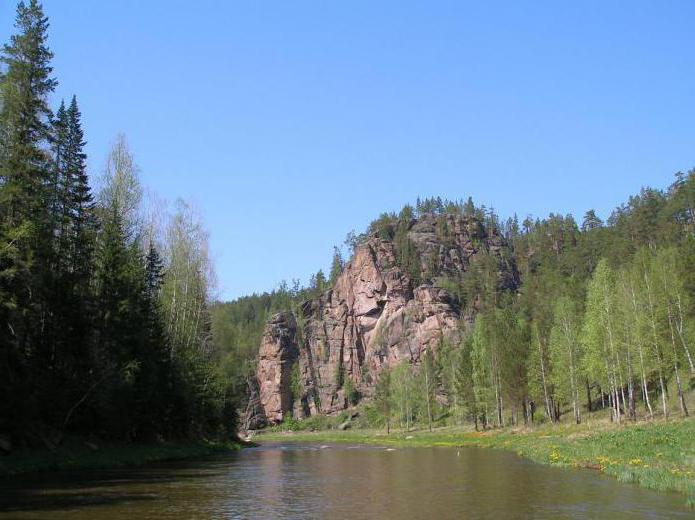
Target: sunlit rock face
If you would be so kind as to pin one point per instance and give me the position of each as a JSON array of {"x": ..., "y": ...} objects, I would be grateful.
[
  {"x": 373, "y": 317},
  {"x": 277, "y": 354}
]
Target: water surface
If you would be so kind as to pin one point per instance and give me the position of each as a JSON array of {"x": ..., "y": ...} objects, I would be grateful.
[{"x": 312, "y": 481}]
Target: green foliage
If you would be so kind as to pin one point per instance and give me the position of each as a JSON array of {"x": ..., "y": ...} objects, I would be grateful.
[
  {"x": 603, "y": 316},
  {"x": 101, "y": 335},
  {"x": 311, "y": 423},
  {"x": 566, "y": 353},
  {"x": 337, "y": 265},
  {"x": 351, "y": 393},
  {"x": 383, "y": 397},
  {"x": 295, "y": 383},
  {"x": 407, "y": 255}
]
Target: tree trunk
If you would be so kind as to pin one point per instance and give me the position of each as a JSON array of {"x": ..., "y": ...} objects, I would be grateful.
[
  {"x": 681, "y": 397},
  {"x": 545, "y": 386},
  {"x": 679, "y": 327},
  {"x": 429, "y": 407},
  {"x": 663, "y": 392}
]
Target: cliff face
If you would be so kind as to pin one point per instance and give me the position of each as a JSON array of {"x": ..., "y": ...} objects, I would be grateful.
[
  {"x": 372, "y": 318},
  {"x": 277, "y": 356}
]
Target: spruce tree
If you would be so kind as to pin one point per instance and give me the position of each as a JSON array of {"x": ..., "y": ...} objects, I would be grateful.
[
  {"x": 76, "y": 236},
  {"x": 120, "y": 329},
  {"x": 60, "y": 144},
  {"x": 25, "y": 220},
  {"x": 79, "y": 201},
  {"x": 156, "y": 385}
]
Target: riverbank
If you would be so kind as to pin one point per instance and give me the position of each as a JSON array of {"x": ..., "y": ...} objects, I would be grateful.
[
  {"x": 657, "y": 455},
  {"x": 78, "y": 454}
]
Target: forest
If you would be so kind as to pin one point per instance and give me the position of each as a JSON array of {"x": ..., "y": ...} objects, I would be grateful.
[
  {"x": 105, "y": 326},
  {"x": 109, "y": 327},
  {"x": 599, "y": 316},
  {"x": 602, "y": 318}
]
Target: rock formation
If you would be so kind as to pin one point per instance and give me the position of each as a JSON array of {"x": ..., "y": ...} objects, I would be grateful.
[
  {"x": 373, "y": 317},
  {"x": 277, "y": 355}
]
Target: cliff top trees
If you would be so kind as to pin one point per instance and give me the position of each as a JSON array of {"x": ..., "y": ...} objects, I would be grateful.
[{"x": 336, "y": 265}]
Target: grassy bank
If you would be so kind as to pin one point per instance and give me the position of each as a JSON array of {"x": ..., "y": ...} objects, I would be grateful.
[
  {"x": 76, "y": 454},
  {"x": 657, "y": 455}
]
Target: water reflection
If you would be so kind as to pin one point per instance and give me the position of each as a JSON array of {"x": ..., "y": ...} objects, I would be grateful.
[{"x": 295, "y": 481}]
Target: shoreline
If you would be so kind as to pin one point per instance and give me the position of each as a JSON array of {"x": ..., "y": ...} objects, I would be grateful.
[
  {"x": 657, "y": 455},
  {"x": 80, "y": 455}
]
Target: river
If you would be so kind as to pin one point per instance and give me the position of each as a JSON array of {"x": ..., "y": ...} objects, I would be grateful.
[{"x": 312, "y": 481}]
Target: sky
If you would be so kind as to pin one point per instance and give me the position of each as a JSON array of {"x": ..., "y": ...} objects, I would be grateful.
[{"x": 289, "y": 124}]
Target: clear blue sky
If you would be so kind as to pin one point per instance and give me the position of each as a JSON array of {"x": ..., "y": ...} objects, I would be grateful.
[{"x": 291, "y": 123}]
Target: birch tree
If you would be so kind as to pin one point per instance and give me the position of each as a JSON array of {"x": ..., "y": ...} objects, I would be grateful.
[
  {"x": 599, "y": 333},
  {"x": 566, "y": 353}
]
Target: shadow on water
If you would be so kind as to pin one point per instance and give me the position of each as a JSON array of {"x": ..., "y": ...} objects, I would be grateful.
[{"x": 74, "y": 489}]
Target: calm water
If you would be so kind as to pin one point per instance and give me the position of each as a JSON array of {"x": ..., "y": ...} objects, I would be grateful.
[{"x": 294, "y": 481}]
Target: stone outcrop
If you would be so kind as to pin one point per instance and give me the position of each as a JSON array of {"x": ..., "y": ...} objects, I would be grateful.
[
  {"x": 373, "y": 317},
  {"x": 278, "y": 354}
]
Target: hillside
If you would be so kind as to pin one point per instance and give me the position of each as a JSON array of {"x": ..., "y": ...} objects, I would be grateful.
[
  {"x": 382, "y": 311},
  {"x": 445, "y": 313}
]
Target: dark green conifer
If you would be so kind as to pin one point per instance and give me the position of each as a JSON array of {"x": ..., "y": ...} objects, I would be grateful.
[{"x": 26, "y": 244}]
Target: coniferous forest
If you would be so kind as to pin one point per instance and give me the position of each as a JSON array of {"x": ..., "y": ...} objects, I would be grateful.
[{"x": 105, "y": 327}]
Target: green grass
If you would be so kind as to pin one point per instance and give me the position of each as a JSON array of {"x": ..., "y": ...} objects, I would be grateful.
[
  {"x": 75, "y": 454},
  {"x": 657, "y": 455}
]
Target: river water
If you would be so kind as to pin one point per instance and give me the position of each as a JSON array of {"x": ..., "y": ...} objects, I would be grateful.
[{"x": 312, "y": 481}]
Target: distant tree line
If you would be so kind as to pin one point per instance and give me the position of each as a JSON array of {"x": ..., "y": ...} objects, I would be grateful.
[{"x": 105, "y": 326}]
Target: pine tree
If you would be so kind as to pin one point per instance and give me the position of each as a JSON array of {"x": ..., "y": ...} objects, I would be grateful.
[
  {"x": 336, "y": 265},
  {"x": 591, "y": 221}
]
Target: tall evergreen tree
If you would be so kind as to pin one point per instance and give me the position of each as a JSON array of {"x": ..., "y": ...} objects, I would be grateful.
[
  {"x": 336, "y": 265},
  {"x": 25, "y": 219},
  {"x": 120, "y": 325}
]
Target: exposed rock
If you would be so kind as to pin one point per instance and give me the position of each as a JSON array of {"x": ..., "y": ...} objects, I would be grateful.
[
  {"x": 344, "y": 426},
  {"x": 277, "y": 355},
  {"x": 373, "y": 317},
  {"x": 253, "y": 415}
]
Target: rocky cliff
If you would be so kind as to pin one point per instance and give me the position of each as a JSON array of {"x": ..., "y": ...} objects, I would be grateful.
[{"x": 374, "y": 316}]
